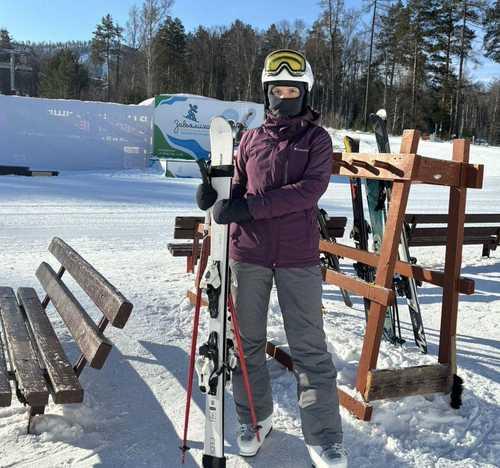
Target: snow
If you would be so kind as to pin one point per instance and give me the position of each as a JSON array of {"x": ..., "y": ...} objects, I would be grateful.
[{"x": 132, "y": 415}]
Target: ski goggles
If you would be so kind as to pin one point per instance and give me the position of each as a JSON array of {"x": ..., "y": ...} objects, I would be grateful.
[{"x": 293, "y": 61}]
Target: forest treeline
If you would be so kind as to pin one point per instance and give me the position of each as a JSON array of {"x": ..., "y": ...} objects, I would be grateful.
[{"x": 409, "y": 57}]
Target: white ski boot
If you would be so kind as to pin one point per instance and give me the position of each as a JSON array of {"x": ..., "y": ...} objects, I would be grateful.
[
  {"x": 333, "y": 455},
  {"x": 247, "y": 437}
]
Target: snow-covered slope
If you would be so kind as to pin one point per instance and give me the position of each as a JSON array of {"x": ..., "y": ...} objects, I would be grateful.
[{"x": 133, "y": 410}]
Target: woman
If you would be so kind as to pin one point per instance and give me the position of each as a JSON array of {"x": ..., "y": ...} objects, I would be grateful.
[{"x": 281, "y": 170}]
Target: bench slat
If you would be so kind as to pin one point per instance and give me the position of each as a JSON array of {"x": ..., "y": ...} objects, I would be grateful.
[
  {"x": 65, "y": 384},
  {"x": 337, "y": 233},
  {"x": 188, "y": 222},
  {"x": 180, "y": 250},
  {"x": 430, "y": 241},
  {"x": 336, "y": 222},
  {"x": 106, "y": 297},
  {"x": 29, "y": 377},
  {"x": 438, "y": 218},
  {"x": 471, "y": 232},
  {"x": 94, "y": 346},
  {"x": 5, "y": 390},
  {"x": 184, "y": 233}
]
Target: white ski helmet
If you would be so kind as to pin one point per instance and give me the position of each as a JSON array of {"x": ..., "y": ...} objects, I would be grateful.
[{"x": 287, "y": 65}]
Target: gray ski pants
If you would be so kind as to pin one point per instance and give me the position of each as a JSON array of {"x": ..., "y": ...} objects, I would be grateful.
[{"x": 299, "y": 296}]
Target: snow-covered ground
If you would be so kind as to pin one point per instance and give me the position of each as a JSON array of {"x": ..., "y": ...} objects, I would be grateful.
[{"x": 133, "y": 410}]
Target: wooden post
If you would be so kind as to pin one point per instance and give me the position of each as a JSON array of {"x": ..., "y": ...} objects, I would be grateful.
[
  {"x": 453, "y": 261},
  {"x": 386, "y": 266}
]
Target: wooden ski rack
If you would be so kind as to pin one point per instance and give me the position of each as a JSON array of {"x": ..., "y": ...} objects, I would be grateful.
[{"x": 402, "y": 170}]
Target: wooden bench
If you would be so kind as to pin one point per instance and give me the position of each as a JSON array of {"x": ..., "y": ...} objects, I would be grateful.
[
  {"x": 487, "y": 236},
  {"x": 186, "y": 227},
  {"x": 36, "y": 361}
]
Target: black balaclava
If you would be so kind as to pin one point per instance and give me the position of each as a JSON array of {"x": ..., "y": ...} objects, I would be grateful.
[{"x": 286, "y": 107}]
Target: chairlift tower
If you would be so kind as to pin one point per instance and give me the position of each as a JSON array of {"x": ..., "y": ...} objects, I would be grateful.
[{"x": 11, "y": 65}]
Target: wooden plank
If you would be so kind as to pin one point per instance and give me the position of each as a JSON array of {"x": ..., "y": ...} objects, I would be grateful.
[
  {"x": 29, "y": 377},
  {"x": 358, "y": 408},
  {"x": 94, "y": 346},
  {"x": 380, "y": 166},
  {"x": 474, "y": 176},
  {"x": 417, "y": 380},
  {"x": 281, "y": 356},
  {"x": 466, "y": 285},
  {"x": 110, "y": 301},
  {"x": 5, "y": 390},
  {"x": 336, "y": 222},
  {"x": 476, "y": 232},
  {"x": 372, "y": 292},
  {"x": 191, "y": 295},
  {"x": 65, "y": 385},
  {"x": 188, "y": 222},
  {"x": 200, "y": 229},
  {"x": 442, "y": 218},
  {"x": 453, "y": 261},
  {"x": 43, "y": 173},
  {"x": 386, "y": 266},
  {"x": 184, "y": 233},
  {"x": 180, "y": 250},
  {"x": 14, "y": 170},
  {"x": 336, "y": 233},
  {"x": 471, "y": 240},
  {"x": 399, "y": 167}
]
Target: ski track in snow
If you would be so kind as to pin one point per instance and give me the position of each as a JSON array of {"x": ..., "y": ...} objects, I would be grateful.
[{"x": 133, "y": 411}]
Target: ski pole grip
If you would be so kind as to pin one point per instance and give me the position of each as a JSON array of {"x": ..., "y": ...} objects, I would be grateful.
[{"x": 202, "y": 164}]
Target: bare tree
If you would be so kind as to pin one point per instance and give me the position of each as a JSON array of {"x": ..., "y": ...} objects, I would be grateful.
[
  {"x": 332, "y": 14},
  {"x": 370, "y": 55},
  {"x": 144, "y": 25},
  {"x": 133, "y": 27}
]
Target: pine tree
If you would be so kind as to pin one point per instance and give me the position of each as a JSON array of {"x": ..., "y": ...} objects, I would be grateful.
[
  {"x": 444, "y": 47},
  {"x": 392, "y": 44},
  {"x": 331, "y": 16},
  {"x": 105, "y": 46},
  {"x": 470, "y": 12},
  {"x": 5, "y": 39},
  {"x": 491, "y": 42},
  {"x": 421, "y": 12},
  {"x": 316, "y": 49},
  {"x": 170, "y": 49},
  {"x": 64, "y": 77},
  {"x": 271, "y": 40}
]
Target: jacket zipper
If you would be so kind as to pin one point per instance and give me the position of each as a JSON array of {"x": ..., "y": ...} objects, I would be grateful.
[{"x": 286, "y": 171}]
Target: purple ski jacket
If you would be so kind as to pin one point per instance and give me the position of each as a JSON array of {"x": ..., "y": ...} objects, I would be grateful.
[{"x": 282, "y": 168}]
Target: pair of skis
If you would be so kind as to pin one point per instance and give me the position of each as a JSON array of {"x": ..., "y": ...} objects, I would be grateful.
[
  {"x": 223, "y": 350},
  {"x": 378, "y": 198},
  {"x": 360, "y": 233}
]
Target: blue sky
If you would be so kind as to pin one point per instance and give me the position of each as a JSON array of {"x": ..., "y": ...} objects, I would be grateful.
[{"x": 62, "y": 20}]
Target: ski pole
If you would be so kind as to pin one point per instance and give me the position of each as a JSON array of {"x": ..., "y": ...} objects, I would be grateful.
[
  {"x": 243, "y": 364},
  {"x": 194, "y": 339}
]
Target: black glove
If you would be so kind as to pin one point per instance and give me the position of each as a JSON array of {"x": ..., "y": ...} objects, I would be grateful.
[
  {"x": 205, "y": 196},
  {"x": 231, "y": 211}
]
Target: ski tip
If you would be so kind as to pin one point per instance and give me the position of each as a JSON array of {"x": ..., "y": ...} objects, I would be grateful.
[{"x": 382, "y": 113}]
